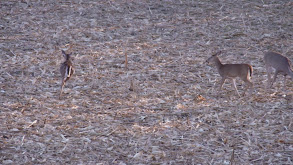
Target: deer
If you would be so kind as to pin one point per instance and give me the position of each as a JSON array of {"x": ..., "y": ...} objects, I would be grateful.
[
  {"x": 232, "y": 71},
  {"x": 66, "y": 70},
  {"x": 279, "y": 63}
]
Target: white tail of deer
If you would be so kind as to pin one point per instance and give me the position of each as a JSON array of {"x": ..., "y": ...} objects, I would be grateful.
[
  {"x": 280, "y": 64},
  {"x": 231, "y": 71}
]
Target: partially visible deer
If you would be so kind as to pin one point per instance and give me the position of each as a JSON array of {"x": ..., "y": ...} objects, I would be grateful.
[
  {"x": 243, "y": 71},
  {"x": 66, "y": 70},
  {"x": 280, "y": 64}
]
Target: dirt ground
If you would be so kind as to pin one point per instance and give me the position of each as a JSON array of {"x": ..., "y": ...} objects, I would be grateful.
[{"x": 165, "y": 106}]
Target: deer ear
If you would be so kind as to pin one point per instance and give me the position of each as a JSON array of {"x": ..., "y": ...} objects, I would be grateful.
[
  {"x": 215, "y": 54},
  {"x": 64, "y": 54}
]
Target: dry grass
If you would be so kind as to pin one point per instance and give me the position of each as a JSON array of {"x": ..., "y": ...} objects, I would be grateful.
[{"x": 173, "y": 113}]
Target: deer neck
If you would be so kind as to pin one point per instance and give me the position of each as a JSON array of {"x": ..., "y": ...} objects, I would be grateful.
[{"x": 218, "y": 63}]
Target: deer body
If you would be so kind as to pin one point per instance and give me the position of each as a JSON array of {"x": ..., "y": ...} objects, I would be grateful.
[
  {"x": 243, "y": 71},
  {"x": 66, "y": 70},
  {"x": 280, "y": 63}
]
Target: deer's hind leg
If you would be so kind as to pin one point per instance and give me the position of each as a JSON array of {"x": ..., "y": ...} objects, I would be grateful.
[
  {"x": 269, "y": 71},
  {"x": 234, "y": 85},
  {"x": 61, "y": 90},
  {"x": 248, "y": 84}
]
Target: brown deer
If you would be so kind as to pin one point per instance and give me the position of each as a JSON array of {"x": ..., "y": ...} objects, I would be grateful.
[
  {"x": 280, "y": 64},
  {"x": 66, "y": 70},
  {"x": 243, "y": 71}
]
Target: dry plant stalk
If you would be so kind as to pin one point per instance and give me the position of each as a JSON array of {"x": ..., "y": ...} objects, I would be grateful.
[
  {"x": 126, "y": 61},
  {"x": 131, "y": 88},
  {"x": 125, "y": 53},
  {"x": 232, "y": 157}
]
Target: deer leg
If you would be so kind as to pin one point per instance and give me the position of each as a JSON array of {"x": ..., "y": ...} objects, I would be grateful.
[
  {"x": 274, "y": 78},
  {"x": 284, "y": 87},
  {"x": 269, "y": 76},
  {"x": 222, "y": 83},
  {"x": 234, "y": 84},
  {"x": 248, "y": 84},
  {"x": 62, "y": 86},
  {"x": 251, "y": 88}
]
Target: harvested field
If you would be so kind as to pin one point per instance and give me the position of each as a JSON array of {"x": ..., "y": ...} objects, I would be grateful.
[{"x": 164, "y": 107}]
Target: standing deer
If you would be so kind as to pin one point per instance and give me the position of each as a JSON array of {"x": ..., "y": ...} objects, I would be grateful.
[
  {"x": 280, "y": 64},
  {"x": 243, "y": 71},
  {"x": 66, "y": 70}
]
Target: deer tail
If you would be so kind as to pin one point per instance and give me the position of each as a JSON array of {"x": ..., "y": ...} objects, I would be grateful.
[{"x": 250, "y": 70}]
